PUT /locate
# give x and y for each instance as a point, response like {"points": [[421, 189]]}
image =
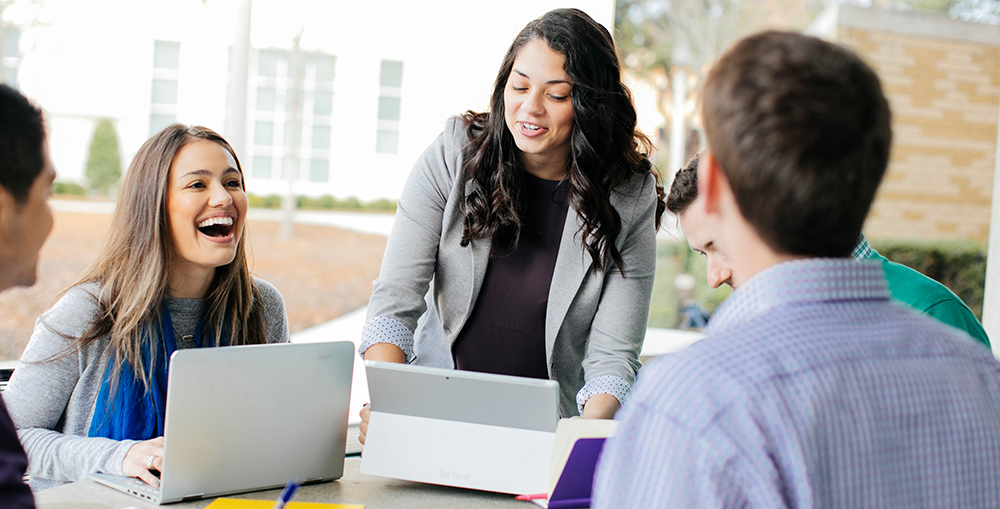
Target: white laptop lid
{"points": [[252, 417], [460, 428]]}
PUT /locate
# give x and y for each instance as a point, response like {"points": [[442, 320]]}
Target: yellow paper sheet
{"points": [[235, 503]]}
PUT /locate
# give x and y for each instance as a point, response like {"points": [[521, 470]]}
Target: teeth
{"points": [[227, 221], [530, 127]]}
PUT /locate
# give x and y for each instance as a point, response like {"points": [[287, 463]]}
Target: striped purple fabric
{"points": [[812, 389]]}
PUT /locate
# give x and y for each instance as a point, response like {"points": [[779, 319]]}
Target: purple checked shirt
{"points": [[812, 389]]}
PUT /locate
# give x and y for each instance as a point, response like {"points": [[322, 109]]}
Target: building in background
{"points": [[942, 78], [379, 80]]}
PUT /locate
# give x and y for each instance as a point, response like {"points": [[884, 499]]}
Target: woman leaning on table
{"points": [[530, 229], [89, 392]]}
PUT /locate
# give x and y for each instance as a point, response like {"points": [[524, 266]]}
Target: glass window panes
{"points": [[388, 108], [157, 122], [322, 103], [263, 133], [265, 98], [9, 76], [324, 68], [164, 91], [261, 167], [267, 64], [391, 74], [321, 137], [166, 55], [386, 142], [11, 42], [285, 169], [319, 170]]}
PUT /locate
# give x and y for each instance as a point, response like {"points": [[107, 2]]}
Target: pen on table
{"points": [[286, 494], [532, 497]]}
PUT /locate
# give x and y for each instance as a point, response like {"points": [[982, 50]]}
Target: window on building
{"points": [[10, 60], [164, 90], [266, 99], [272, 81], [261, 167], [321, 137], [319, 170], [389, 107], [263, 133]]}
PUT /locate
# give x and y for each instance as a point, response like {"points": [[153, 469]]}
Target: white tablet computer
{"points": [[460, 428]]}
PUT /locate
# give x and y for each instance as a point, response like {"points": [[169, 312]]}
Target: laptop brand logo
{"points": [[454, 474]]}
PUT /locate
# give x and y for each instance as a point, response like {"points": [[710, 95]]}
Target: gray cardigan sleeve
{"points": [[410, 258], [619, 326], [51, 396]]}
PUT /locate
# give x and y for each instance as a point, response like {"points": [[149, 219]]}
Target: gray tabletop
{"points": [[353, 488]]}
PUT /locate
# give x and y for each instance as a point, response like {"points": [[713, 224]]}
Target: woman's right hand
{"points": [[366, 413], [385, 352], [143, 457]]}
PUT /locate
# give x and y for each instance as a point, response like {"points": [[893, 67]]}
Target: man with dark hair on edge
{"points": [[923, 294], [26, 176], [812, 388]]}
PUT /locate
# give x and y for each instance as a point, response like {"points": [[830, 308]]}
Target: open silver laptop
{"points": [[248, 418], [460, 428]]}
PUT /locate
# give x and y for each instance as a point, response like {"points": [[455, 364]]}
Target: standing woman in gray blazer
{"points": [[524, 241]]}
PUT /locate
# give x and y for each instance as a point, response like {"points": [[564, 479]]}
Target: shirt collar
{"points": [[863, 250], [810, 280]]}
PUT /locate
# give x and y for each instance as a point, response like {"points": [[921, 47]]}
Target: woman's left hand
{"points": [[600, 406], [143, 457]]}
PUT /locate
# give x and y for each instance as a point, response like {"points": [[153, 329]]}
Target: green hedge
{"points": [[959, 265], [68, 188], [273, 201]]}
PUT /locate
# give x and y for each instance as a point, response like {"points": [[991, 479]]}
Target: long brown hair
{"points": [[606, 148], [133, 268]]}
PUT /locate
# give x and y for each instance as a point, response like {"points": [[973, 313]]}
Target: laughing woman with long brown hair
{"points": [[524, 242], [89, 393]]}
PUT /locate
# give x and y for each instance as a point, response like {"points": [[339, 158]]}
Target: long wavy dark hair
{"points": [[606, 148]]}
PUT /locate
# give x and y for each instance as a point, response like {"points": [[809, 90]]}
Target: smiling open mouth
{"points": [[216, 226]]}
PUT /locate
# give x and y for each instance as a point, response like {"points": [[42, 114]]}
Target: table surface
{"points": [[354, 488]]}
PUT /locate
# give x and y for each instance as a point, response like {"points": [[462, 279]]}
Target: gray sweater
{"points": [[51, 399]]}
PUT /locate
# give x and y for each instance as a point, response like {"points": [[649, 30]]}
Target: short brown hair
{"points": [[801, 130], [684, 188]]}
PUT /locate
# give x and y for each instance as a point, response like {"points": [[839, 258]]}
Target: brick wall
{"points": [[945, 97]]}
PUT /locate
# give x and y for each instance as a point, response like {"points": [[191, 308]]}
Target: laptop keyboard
{"points": [[139, 488]]}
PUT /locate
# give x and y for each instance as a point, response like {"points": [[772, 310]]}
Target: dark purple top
{"points": [[505, 333], [14, 493]]}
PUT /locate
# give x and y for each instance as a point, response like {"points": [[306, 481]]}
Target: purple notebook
{"points": [[577, 479]]}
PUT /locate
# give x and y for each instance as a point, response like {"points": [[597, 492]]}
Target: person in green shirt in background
{"points": [[906, 285], [923, 293]]}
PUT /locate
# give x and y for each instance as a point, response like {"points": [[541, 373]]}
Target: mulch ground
{"points": [[321, 272]]}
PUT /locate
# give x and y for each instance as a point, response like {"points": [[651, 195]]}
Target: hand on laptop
{"points": [[144, 457], [366, 412]]}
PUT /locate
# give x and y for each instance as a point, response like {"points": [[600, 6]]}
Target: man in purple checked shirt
{"points": [[812, 389]]}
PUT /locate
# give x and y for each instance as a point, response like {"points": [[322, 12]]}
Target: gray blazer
{"points": [[595, 323]]}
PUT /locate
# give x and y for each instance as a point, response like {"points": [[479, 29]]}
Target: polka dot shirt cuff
{"points": [[383, 329], [607, 384]]}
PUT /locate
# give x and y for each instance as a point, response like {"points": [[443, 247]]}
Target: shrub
{"points": [[104, 167], [68, 188], [271, 201], [959, 265]]}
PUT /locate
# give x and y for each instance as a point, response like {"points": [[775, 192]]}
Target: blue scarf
{"points": [[130, 412]]}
